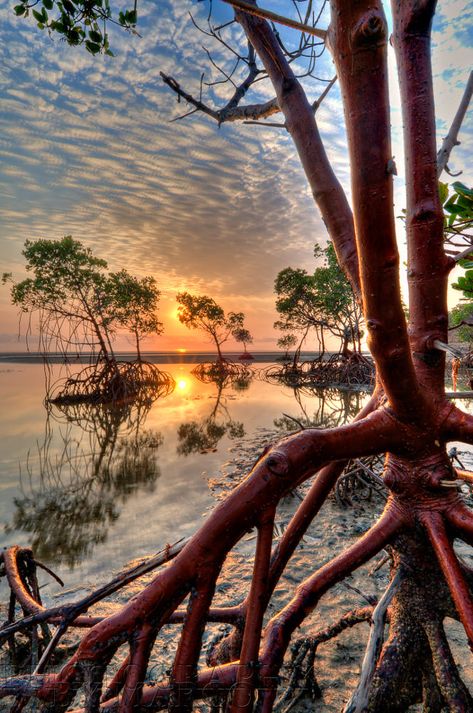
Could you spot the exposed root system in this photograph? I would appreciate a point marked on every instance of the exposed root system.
(223, 372)
(111, 382)
(355, 371)
(362, 478)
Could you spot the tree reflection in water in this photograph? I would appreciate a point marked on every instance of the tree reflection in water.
(203, 436)
(73, 492)
(334, 407)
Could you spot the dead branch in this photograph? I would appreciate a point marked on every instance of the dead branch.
(304, 651)
(359, 700)
(451, 139)
(274, 17)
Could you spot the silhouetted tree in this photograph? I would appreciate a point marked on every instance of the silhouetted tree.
(202, 312)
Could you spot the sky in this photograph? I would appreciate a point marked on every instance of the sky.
(88, 148)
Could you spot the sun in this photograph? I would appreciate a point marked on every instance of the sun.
(175, 315)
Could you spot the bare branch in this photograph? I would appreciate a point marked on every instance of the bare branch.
(273, 124)
(359, 700)
(464, 254)
(274, 17)
(451, 139)
(176, 87)
(227, 113)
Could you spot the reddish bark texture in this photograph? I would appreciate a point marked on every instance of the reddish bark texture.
(408, 418)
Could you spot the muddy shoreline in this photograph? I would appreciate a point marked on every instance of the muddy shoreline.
(338, 662)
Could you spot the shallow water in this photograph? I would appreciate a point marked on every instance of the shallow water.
(90, 490)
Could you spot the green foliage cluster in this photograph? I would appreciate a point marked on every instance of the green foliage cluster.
(135, 304)
(243, 335)
(458, 209)
(79, 21)
(461, 316)
(287, 341)
(323, 300)
(78, 302)
(457, 206)
(202, 312)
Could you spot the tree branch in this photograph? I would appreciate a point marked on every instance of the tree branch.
(274, 17)
(358, 40)
(301, 124)
(428, 266)
(451, 139)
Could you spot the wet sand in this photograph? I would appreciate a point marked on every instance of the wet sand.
(338, 661)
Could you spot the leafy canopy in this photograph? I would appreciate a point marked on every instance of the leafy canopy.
(79, 21)
(322, 300)
(202, 312)
(135, 302)
(64, 272)
(78, 300)
(461, 316)
(458, 208)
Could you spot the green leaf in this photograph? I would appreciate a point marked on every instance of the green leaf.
(92, 47)
(462, 189)
(443, 192)
(19, 10)
(95, 36)
(455, 209)
(48, 4)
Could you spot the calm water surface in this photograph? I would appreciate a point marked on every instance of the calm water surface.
(92, 489)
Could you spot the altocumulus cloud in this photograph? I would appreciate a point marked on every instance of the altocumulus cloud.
(88, 149)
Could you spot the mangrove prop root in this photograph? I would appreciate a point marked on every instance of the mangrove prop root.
(354, 371)
(109, 381)
(195, 567)
(222, 372)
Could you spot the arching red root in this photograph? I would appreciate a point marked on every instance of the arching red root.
(279, 629)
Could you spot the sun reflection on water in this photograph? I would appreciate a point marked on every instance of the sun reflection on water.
(182, 384)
